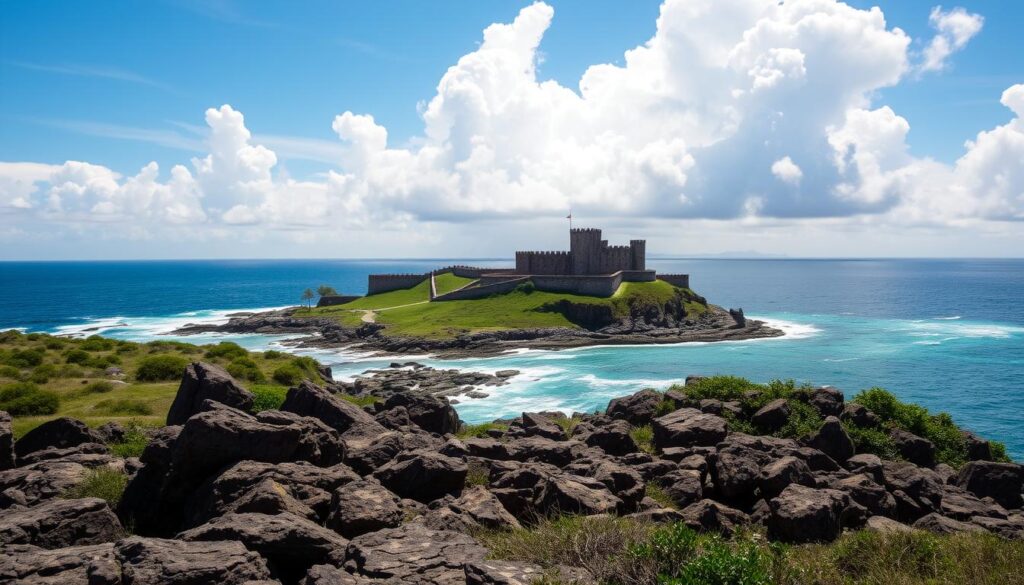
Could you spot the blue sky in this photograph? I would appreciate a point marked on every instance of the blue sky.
(119, 84)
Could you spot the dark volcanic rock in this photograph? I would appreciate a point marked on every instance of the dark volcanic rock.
(414, 554)
(6, 442)
(778, 474)
(802, 514)
(711, 516)
(735, 473)
(978, 449)
(1003, 482)
(559, 453)
(155, 561)
(860, 415)
(503, 573)
(77, 565)
(918, 491)
(538, 425)
(331, 575)
(866, 492)
(308, 399)
(684, 486)
(772, 416)
(271, 497)
(60, 523)
(41, 481)
(475, 508)
(688, 427)
(572, 494)
(939, 524)
(431, 413)
(611, 437)
(289, 543)
(832, 440)
(423, 476)
(60, 433)
(828, 401)
(203, 381)
(914, 449)
(636, 409)
(364, 506)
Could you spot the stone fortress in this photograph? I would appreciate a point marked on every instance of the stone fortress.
(590, 267)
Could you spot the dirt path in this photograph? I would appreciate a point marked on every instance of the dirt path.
(370, 315)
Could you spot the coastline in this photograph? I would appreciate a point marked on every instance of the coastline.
(717, 326)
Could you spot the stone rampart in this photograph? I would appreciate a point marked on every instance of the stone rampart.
(479, 292)
(680, 280)
(543, 263)
(381, 283)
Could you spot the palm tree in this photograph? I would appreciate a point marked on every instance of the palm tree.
(307, 295)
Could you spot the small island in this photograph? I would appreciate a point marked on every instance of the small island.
(592, 294)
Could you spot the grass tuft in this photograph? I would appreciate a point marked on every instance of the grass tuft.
(102, 482)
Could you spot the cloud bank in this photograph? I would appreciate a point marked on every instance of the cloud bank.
(741, 111)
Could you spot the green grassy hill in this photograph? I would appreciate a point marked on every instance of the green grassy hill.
(408, 312)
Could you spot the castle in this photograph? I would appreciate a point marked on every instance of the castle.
(590, 267)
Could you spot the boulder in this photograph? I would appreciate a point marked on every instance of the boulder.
(363, 506)
(308, 399)
(939, 524)
(367, 453)
(978, 449)
(311, 486)
(76, 565)
(414, 554)
(423, 475)
(60, 433)
(503, 573)
(538, 425)
(1011, 528)
(271, 497)
(475, 508)
(200, 382)
(778, 474)
(772, 416)
(6, 441)
(289, 543)
(331, 575)
(860, 416)
(827, 400)
(60, 523)
(832, 440)
(711, 516)
(1003, 482)
(572, 494)
(866, 463)
(41, 481)
(613, 438)
(156, 561)
(887, 525)
(684, 486)
(960, 504)
(559, 453)
(801, 514)
(914, 449)
(625, 483)
(735, 473)
(869, 494)
(431, 413)
(688, 427)
(917, 491)
(636, 409)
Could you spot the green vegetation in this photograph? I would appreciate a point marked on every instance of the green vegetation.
(950, 445)
(480, 430)
(133, 443)
(267, 397)
(37, 382)
(161, 367)
(101, 482)
(624, 551)
(643, 436)
(407, 312)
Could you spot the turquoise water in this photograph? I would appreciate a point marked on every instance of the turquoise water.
(945, 334)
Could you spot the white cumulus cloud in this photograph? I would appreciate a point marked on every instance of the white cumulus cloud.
(953, 29)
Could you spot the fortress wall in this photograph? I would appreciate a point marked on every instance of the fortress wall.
(638, 251)
(597, 286)
(479, 292)
(585, 246)
(472, 271)
(639, 276)
(680, 280)
(493, 278)
(380, 283)
(543, 262)
(616, 258)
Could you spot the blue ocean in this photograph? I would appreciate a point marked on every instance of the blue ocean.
(947, 334)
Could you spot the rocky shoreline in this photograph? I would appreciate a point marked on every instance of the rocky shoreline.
(716, 325)
(322, 491)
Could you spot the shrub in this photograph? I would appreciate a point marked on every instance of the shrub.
(97, 343)
(227, 350)
(77, 356)
(874, 441)
(526, 288)
(54, 343)
(273, 354)
(10, 372)
(163, 346)
(244, 368)
(41, 374)
(643, 436)
(309, 366)
(478, 431)
(267, 397)
(99, 387)
(288, 374)
(123, 406)
(680, 556)
(133, 443)
(26, 399)
(102, 482)
(25, 358)
(161, 367)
